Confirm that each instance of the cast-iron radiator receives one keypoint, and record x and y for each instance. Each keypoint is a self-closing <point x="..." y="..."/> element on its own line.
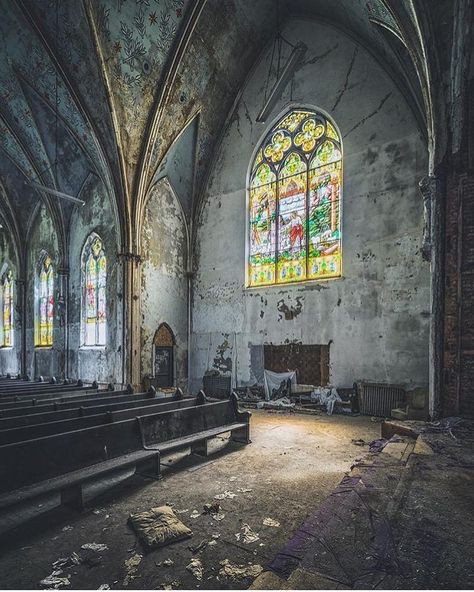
<point x="379" y="399"/>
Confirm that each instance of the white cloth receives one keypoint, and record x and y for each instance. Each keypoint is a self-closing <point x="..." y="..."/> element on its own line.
<point x="326" y="396"/>
<point x="273" y="380"/>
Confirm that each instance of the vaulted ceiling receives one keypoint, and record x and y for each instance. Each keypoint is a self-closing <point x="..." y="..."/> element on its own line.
<point x="104" y="87"/>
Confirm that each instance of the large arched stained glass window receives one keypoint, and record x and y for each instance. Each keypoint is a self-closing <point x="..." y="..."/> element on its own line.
<point x="7" y="309"/>
<point x="294" y="205"/>
<point x="44" y="314"/>
<point x="94" y="280"/>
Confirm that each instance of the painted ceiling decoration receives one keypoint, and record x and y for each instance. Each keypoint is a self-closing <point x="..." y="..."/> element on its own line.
<point x="130" y="76"/>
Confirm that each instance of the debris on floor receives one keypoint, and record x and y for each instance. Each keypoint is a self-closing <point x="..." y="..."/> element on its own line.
<point x="54" y="580"/>
<point x="247" y="535"/>
<point x="244" y="489"/>
<point x="195" y="567"/>
<point x="67" y="528"/>
<point x="212" y="508"/>
<point x="131" y="568"/>
<point x="218" y="517"/>
<point x="196" y="548"/>
<point x="94" y="547"/>
<point x="104" y="587"/>
<point x="358" y="442"/>
<point x="194" y="514"/>
<point x="283" y="403"/>
<point x="225" y="495"/>
<point x="159" y="527"/>
<point x="238" y="572"/>
<point x="271" y="522"/>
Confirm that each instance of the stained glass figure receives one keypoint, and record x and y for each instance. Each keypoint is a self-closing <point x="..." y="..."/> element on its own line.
<point x="94" y="280"/>
<point x="44" y="318"/>
<point x="295" y="194"/>
<point x="7" y="309"/>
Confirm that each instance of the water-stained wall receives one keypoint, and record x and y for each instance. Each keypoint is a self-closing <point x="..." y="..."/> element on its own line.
<point x="43" y="361"/>
<point x="10" y="356"/>
<point x="377" y="315"/>
<point x="164" y="283"/>
<point x="101" y="363"/>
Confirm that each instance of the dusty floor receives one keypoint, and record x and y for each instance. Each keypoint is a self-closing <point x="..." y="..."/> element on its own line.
<point x="292" y="465"/>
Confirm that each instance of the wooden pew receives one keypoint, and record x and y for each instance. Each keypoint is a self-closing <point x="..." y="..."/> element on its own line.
<point x="20" y="434"/>
<point x="66" y="403"/>
<point x="78" y="410"/>
<point x="38" y="467"/>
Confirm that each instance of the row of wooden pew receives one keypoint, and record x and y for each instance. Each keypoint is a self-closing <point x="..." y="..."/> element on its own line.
<point x="56" y="439"/>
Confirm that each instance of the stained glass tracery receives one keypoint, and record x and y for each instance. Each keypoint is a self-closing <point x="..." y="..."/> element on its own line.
<point x="295" y="213"/>
<point x="94" y="277"/>
<point x="7" y="309"/>
<point x="44" y="320"/>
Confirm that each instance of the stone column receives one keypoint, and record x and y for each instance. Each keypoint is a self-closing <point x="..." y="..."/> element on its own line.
<point x="432" y="251"/>
<point x="132" y="266"/>
<point x="21" y="307"/>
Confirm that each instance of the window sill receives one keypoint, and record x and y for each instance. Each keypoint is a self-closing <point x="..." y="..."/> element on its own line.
<point x="43" y="347"/>
<point x="303" y="283"/>
<point x="92" y="347"/>
<point x="6" y="347"/>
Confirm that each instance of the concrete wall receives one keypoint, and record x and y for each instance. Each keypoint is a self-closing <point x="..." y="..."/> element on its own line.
<point x="164" y="283"/>
<point x="103" y="364"/>
<point x="377" y="314"/>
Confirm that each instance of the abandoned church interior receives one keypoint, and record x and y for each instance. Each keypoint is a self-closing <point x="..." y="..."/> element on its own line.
<point x="236" y="294"/>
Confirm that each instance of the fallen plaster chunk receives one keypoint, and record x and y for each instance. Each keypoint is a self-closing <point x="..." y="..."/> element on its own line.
<point x="236" y="572"/>
<point x="195" y="567"/>
<point x="131" y="568"/>
<point x="194" y="514"/>
<point x="94" y="547"/>
<point x="271" y="522"/>
<point x="104" y="587"/>
<point x="54" y="580"/>
<point x="218" y="517"/>
<point x="225" y="495"/>
<point x="247" y="535"/>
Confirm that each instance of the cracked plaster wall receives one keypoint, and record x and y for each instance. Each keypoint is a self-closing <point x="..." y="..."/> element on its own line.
<point x="43" y="361"/>
<point x="164" y="283"/>
<point x="377" y="314"/>
<point x="103" y="364"/>
<point x="10" y="356"/>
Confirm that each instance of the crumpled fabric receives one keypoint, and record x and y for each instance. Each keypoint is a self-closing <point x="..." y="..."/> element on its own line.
<point x="326" y="396"/>
<point x="273" y="380"/>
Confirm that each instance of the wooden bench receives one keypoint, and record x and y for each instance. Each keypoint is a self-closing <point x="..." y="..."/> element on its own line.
<point x="20" y="434"/>
<point x="77" y="410"/>
<point x="64" y="462"/>
<point x="68" y="403"/>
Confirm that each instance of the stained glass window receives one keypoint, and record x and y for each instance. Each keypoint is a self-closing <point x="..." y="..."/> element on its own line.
<point x="7" y="309"/>
<point x="94" y="278"/>
<point x="295" y="202"/>
<point x="44" y="317"/>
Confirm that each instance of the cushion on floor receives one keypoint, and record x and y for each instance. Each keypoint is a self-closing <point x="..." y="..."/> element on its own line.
<point x="158" y="527"/>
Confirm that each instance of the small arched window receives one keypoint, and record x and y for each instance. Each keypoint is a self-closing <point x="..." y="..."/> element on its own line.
<point x="294" y="202"/>
<point x="94" y="281"/>
<point x="44" y="313"/>
<point x="7" y="309"/>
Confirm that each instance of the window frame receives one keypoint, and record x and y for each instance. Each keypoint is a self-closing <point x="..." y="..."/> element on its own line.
<point x="7" y="270"/>
<point x="44" y="257"/>
<point x="86" y="254"/>
<point x="270" y="129"/>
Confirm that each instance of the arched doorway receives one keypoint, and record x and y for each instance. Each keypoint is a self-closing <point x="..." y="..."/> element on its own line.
<point x="163" y="356"/>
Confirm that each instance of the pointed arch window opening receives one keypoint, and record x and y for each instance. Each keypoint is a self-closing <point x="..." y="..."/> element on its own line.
<point x="295" y="203"/>
<point x="44" y="314"/>
<point x="7" y="329"/>
<point x="94" y="281"/>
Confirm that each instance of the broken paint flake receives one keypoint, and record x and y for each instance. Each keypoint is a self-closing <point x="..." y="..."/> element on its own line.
<point x="94" y="547"/>
<point x="271" y="522"/>
<point x="238" y="572"/>
<point x="195" y="567"/>
<point x="131" y="568"/>
<point x="290" y="311"/>
<point x="225" y="495"/>
<point x="247" y="536"/>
